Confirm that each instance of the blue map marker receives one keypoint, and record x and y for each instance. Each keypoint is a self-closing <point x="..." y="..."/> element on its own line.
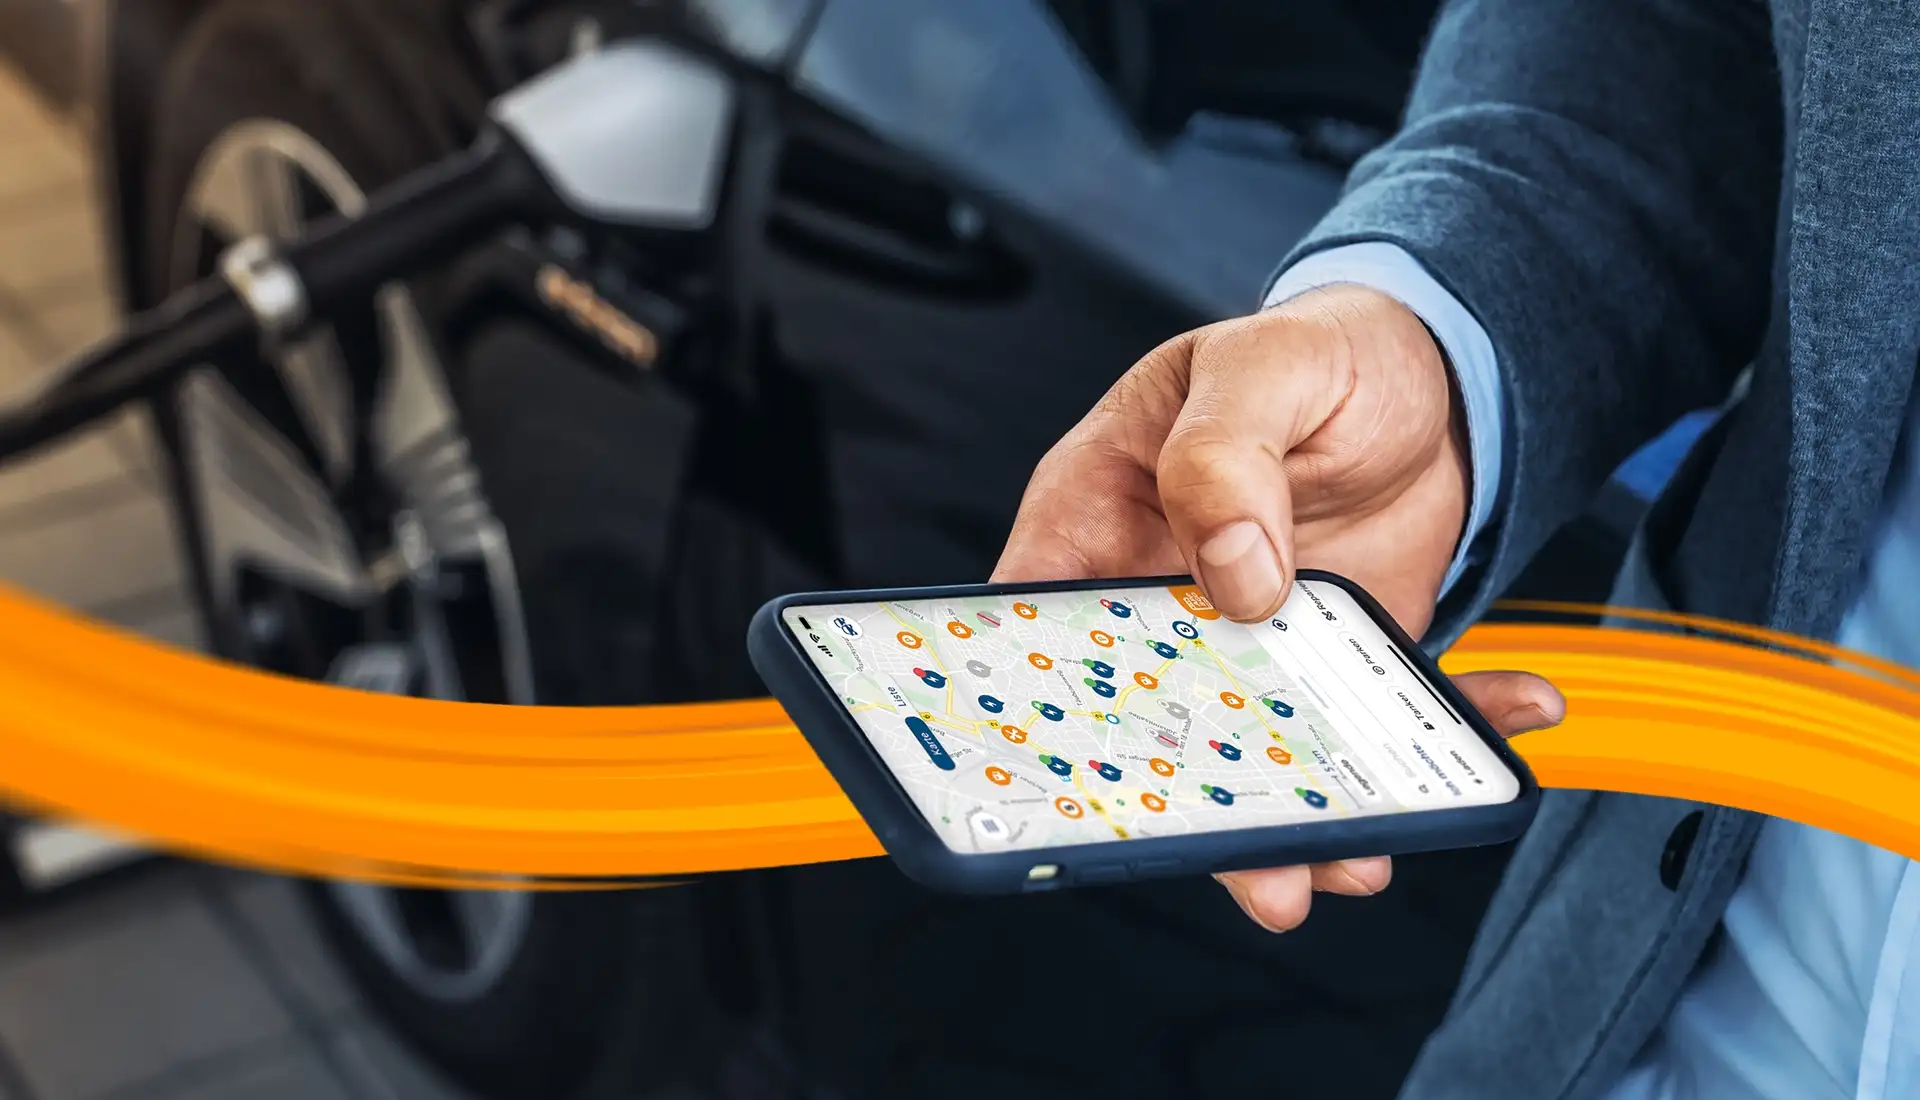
<point x="1218" y="794"/>
<point x="1312" y="798"/>
<point x="1100" y="687"/>
<point x="1186" y="630"/>
<point x="991" y="705"/>
<point x="1279" y="708"/>
<point x="1164" y="650"/>
<point x="1050" y="712"/>
<point x="1119" y="609"/>
<point x="1231" y="752"/>
<point x="930" y="678"/>
<point x="1100" y="668"/>
<point x="1057" y="766"/>
<point x="1107" y="771"/>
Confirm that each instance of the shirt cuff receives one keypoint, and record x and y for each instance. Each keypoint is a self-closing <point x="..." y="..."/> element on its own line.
<point x="1390" y="270"/>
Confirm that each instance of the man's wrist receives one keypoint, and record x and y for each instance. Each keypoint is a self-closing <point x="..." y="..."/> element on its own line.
<point x="1464" y="349"/>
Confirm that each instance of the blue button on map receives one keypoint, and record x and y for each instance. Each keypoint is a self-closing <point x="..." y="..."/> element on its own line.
<point x="931" y="743"/>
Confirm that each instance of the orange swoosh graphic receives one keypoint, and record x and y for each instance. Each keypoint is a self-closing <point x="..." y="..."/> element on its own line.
<point x="222" y="762"/>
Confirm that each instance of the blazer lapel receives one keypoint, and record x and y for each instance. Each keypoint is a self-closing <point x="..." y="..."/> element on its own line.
<point x="1853" y="295"/>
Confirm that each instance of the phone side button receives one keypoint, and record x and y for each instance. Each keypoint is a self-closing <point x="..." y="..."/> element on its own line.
<point x="1156" y="868"/>
<point x="1102" y="874"/>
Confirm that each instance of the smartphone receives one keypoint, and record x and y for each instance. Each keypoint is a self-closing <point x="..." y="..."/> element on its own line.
<point x="1007" y="738"/>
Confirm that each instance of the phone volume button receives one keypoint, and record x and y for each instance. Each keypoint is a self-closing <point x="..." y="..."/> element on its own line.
<point x="1155" y="868"/>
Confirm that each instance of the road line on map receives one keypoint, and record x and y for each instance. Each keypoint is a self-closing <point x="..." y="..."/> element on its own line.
<point x="939" y="662"/>
<point x="1222" y="665"/>
<point x="1131" y="688"/>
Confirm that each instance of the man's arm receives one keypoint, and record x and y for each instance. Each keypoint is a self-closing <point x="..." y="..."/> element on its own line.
<point x="1596" y="181"/>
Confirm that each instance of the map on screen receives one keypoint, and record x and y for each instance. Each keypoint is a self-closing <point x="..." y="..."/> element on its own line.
<point x="1053" y="719"/>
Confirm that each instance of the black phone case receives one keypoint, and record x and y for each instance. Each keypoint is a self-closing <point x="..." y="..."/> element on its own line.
<point x="920" y="853"/>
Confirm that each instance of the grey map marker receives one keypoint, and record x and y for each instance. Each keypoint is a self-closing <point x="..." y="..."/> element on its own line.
<point x="979" y="668"/>
<point x="1178" y="710"/>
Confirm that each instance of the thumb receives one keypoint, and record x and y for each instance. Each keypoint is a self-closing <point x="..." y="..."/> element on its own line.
<point x="1256" y="391"/>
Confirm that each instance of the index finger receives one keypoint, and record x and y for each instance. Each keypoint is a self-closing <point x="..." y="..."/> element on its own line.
<point x="1092" y="508"/>
<point x="1089" y="512"/>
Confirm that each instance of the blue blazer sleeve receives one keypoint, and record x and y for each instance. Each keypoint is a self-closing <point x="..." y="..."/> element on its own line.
<point x="1597" y="182"/>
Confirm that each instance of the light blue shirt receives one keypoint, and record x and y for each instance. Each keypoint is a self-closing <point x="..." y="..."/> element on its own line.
<point x="1813" y="992"/>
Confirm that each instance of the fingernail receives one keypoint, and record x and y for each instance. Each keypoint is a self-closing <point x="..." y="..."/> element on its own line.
<point x="1529" y="717"/>
<point x="1554" y="709"/>
<point x="1240" y="570"/>
<point x="1371" y="874"/>
<point x="1240" y="898"/>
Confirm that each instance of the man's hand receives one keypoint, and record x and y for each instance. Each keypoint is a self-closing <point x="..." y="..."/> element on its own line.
<point x="1321" y="433"/>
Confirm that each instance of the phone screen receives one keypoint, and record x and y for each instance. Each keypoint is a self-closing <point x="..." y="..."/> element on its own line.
<point x="1053" y="719"/>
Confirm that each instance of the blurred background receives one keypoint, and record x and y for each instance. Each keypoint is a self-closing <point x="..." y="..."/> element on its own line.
<point x="949" y="227"/>
<point x="156" y="979"/>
